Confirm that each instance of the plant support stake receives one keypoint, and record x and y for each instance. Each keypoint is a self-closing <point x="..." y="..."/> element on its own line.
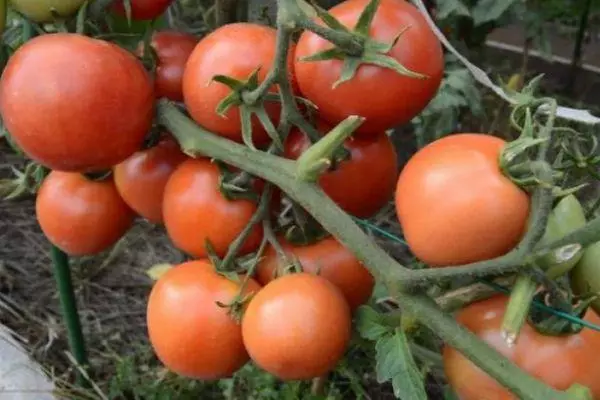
<point x="62" y="273"/>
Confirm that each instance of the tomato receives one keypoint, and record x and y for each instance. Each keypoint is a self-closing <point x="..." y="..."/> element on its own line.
<point x="373" y="163"/>
<point x="141" y="179"/>
<point x="172" y="51"/>
<point x="297" y="327"/>
<point x="455" y="205"/>
<point x="585" y="276"/>
<point x="194" y="209"/>
<point x="76" y="116"/>
<point x="81" y="216"/>
<point x="566" y="216"/>
<point x="235" y="50"/>
<point x="381" y="95"/>
<point x="190" y="334"/>
<point x="329" y="259"/>
<point x="559" y="361"/>
<point x="41" y="10"/>
<point x="143" y="9"/>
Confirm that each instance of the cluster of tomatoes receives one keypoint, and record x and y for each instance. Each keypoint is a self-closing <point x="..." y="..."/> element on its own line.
<point x="83" y="107"/>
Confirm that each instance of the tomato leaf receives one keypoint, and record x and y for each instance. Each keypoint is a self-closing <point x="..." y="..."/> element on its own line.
<point x="370" y="324"/>
<point x="396" y="364"/>
<point x="490" y="10"/>
<point x="448" y="8"/>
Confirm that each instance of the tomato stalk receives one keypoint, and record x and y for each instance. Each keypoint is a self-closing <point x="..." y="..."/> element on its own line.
<point x="62" y="274"/>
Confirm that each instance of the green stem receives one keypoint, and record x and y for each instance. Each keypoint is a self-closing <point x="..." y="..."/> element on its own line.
<point x="195" y="140"/>
<point x="62" y="274"/>
<point x="518" y="307"/>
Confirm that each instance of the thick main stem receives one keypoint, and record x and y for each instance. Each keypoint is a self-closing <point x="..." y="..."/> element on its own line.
<point x="62" y="274"/>
<point x="196" y="140"/>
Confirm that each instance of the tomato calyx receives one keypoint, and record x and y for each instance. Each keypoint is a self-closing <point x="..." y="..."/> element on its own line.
<point x="235" y="185"/>
<point x="98" y="176"/>
<point x="553" y="325"/>
<point x="372" y="51"/>
<point x="236" y="98"/>
<point x="25" y="182"/>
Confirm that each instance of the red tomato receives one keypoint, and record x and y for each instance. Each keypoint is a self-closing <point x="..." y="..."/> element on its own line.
<point x="329" y="259"/>
<point x="362" y="185"/>
<point x="194" y="210"/>
<point x="74" y="103"/>
<point x="172" y="51"/>
<point x="297" y="327"/>
<point x="81" y="216"/>
<point x="143" y="9"/>
<point x="235" y="50"/>
<point x="559" y="361"/>
<point x="381" y="95"/>
<point x="190" y="333"/>
<point x="455" y="205"/>
<point x="141" y="179"/>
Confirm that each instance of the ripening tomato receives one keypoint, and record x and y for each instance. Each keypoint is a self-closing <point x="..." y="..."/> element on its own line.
<point x="297" y="327"/>
<point x="194" y="209"/>
<point x="362" y="185"/>
<point x="190" y="333"/>
<point x="235" y="50"/>
<point x="585" y="276"/>
<point x="455" y="205"/>
<point x="381" y="95"/>
<point x="42" y="10"/>
<point x="327" y="258"/>
<point x="93" y="102"/>
<point x="81" y="216"/>
<point x="172" y="51"/>
<point x="559" y="361"/>
<point x="141" y="178"/>
<point x="142" y="9"/>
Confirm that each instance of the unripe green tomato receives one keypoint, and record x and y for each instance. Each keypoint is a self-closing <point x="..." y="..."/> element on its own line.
<point x="567" y="216"/>
<point x="40" y="10"/>
<point x="585" y="276"/>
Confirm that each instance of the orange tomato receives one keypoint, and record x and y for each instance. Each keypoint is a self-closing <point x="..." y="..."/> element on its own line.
<point x="455" y="205"/>
<point x="191" y="334"/>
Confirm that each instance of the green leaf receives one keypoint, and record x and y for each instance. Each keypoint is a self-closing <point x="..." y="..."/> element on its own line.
<point x="396" y="364"/>
<point x="370" y="324"/>
<point x="490" y="10"/>
<point x="451" y="8"/>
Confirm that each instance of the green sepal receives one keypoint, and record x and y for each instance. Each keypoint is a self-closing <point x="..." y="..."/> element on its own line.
<point x="329" y="19"/>
<point x="366" y="18"/>
<point x="246" y="120"/>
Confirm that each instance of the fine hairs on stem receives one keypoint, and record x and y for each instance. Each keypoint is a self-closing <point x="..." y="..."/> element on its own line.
<point x="399" y="280"/>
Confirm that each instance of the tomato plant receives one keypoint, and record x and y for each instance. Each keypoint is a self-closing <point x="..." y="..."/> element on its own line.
<point x="41" y="10"/>
<point x="373" y="162"/>
<point x="455" y="205"/>
<point x="142" y="9"/>
<point x="190" y="333"/>
<point x="194" y="210"/>
<point x="274" y="327"/>
<point x="381" y="95"/>
<point x="235" y="50"/>
<point x="327" y="258"/>
<point x="96" y="111"/>
<point x="81" y="216"/>
<point x="141" y="178"/>
<point x="172" y="52"/>
<point x="559" y="361"/>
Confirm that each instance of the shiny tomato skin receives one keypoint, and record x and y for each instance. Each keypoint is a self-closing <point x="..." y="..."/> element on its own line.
<point x="381" y="95"/>
<point x="192" y="335"/>
<point x="455" y="205"/>
<point x="143" y="9"/>
<point x="172" y="50"/>
<point x="558" y="361"/>
<point x="81" y="216"/>
<point x="42" y="10"/>
<point x="141" y="178"/>
<point x="331" y="260"/>
<point x="362" y="185"/>
<point x="235" y="50"/>
<point x="89" y="114"/>
<point x="297" y="327"/>
<point x="194" y="210"/>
